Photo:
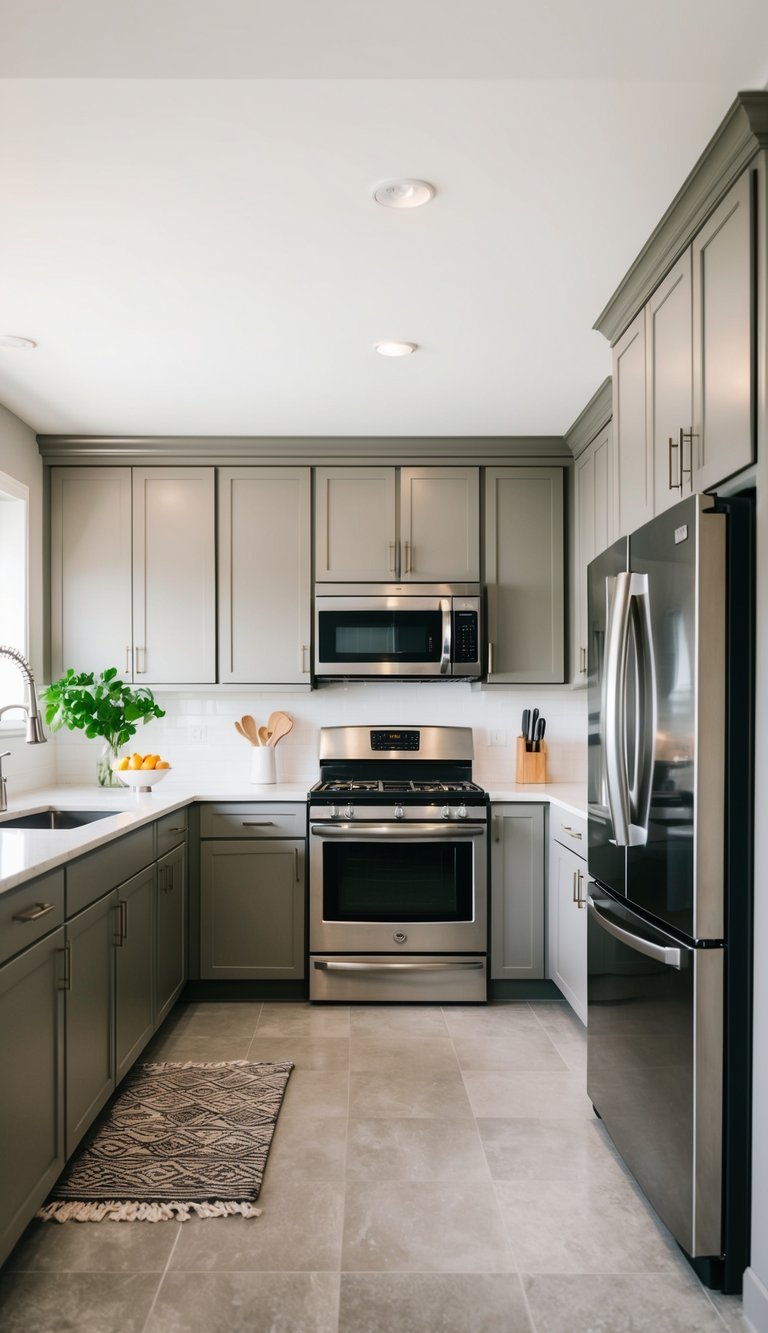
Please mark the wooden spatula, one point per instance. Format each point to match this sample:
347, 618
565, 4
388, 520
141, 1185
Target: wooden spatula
283, 724
239, 730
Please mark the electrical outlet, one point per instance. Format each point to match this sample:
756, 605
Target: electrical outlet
497, 737
197, 735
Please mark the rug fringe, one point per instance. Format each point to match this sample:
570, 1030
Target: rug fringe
65, 1210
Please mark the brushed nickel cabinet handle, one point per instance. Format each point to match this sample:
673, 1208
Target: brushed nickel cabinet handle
674, 444
408, 558
575, 887
582, 659
140, 670
690, 436
296, 864
392, 556
180, 828
580, 900
127, 659
490, 659
572, 832
257, 823
66, 980
34, 912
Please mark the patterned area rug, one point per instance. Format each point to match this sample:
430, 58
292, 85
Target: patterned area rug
178, 1139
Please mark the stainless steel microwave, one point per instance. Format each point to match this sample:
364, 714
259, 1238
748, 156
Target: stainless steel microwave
415, 630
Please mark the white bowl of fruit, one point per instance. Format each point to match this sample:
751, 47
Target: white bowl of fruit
141, 771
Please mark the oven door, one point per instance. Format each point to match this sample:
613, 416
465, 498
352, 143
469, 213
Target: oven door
394, 888
382, 636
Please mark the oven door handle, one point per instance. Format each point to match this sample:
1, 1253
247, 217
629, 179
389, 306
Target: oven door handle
323, 966
397, 832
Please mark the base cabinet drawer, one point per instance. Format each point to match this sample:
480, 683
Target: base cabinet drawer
252, 911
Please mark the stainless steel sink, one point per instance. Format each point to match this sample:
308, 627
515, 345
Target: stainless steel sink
56, 819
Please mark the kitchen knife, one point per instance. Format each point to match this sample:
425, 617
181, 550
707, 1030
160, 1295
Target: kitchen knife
524, 725
532, 733
541, 727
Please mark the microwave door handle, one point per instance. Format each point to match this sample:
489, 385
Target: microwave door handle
445, 658
645, 726
613, 704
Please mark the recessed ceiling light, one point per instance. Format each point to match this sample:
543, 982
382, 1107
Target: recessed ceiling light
395, 349
13, 340
404, 193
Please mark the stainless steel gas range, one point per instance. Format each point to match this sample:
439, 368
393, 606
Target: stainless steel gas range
397, 867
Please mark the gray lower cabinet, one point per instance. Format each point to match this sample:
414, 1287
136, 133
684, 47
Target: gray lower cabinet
567, 913
32, 1089
170, 931
134, 968
252, 908
90, 1013
517, 892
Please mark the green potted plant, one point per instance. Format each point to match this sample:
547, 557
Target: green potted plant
103, 706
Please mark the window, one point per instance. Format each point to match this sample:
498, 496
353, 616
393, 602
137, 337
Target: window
14, 582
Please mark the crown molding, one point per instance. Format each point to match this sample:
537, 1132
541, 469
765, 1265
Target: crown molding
277, 451
594, 416
742, 134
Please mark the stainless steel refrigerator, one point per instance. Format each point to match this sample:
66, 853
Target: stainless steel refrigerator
670, 834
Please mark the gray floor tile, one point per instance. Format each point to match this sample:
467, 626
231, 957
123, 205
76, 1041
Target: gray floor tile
419, 1055
404, 1227
412, 1149
308, 1148
572, 1051
182, 1046
435, 1095
665, 1303
546, 1149
316, 1093
305, 1052
558, 1018
299, 1230
583, 1226
432, 1303
407, 1021
491, 1020
302, 1020
246, 1303
730, 1310
75, 1302
558, 1093
222, 1018
520, 1051
94, 1247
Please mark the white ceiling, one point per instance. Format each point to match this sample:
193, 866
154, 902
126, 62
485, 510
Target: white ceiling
187, 228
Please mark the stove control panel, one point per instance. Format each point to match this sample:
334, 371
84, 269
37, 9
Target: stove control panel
395, 740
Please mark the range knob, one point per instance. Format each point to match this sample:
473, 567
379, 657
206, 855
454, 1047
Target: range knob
399, 811
462, 812
334, 812
446, 812
348, 811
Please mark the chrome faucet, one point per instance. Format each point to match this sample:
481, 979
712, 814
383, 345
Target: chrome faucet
34, 734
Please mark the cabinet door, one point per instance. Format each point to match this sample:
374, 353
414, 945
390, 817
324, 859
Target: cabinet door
596, 521
723, 339
90, 1014
440, 524
524, 573
252, 909
635, 462
669, 384
134, 968
568, 926
174, 588
91, 569
355, 525
32, 1097
170, 931
517, 892
264, 574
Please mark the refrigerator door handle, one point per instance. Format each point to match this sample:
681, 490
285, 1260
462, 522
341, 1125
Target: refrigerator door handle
660, 953
617, 613
645, 729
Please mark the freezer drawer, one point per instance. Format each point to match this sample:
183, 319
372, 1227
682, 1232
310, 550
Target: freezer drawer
655, 1065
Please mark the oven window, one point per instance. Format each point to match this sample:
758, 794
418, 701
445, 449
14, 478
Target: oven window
381, 881
380, 636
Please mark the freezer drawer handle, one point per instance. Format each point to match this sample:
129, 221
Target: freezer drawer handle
323, 966
659, 952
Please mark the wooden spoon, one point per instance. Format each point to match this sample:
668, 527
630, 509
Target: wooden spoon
239, 729
264, 735
249, 727
281, 728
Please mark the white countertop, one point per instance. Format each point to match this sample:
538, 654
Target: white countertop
25, 853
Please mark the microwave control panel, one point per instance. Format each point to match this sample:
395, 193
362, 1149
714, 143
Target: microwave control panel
465, 636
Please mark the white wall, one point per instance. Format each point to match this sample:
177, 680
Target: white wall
198, 736
28, 765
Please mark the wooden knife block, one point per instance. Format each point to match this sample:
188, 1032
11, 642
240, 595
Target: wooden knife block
531, 764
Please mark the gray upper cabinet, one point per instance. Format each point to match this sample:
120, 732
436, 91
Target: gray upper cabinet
669, 384
723, 340
91, 602
440, 524
139, 546
264, 575
596, 525
355, 525
517, 892
385, 524
524, 574
634, 456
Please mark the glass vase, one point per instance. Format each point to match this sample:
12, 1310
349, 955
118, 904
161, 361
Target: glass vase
104, 770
